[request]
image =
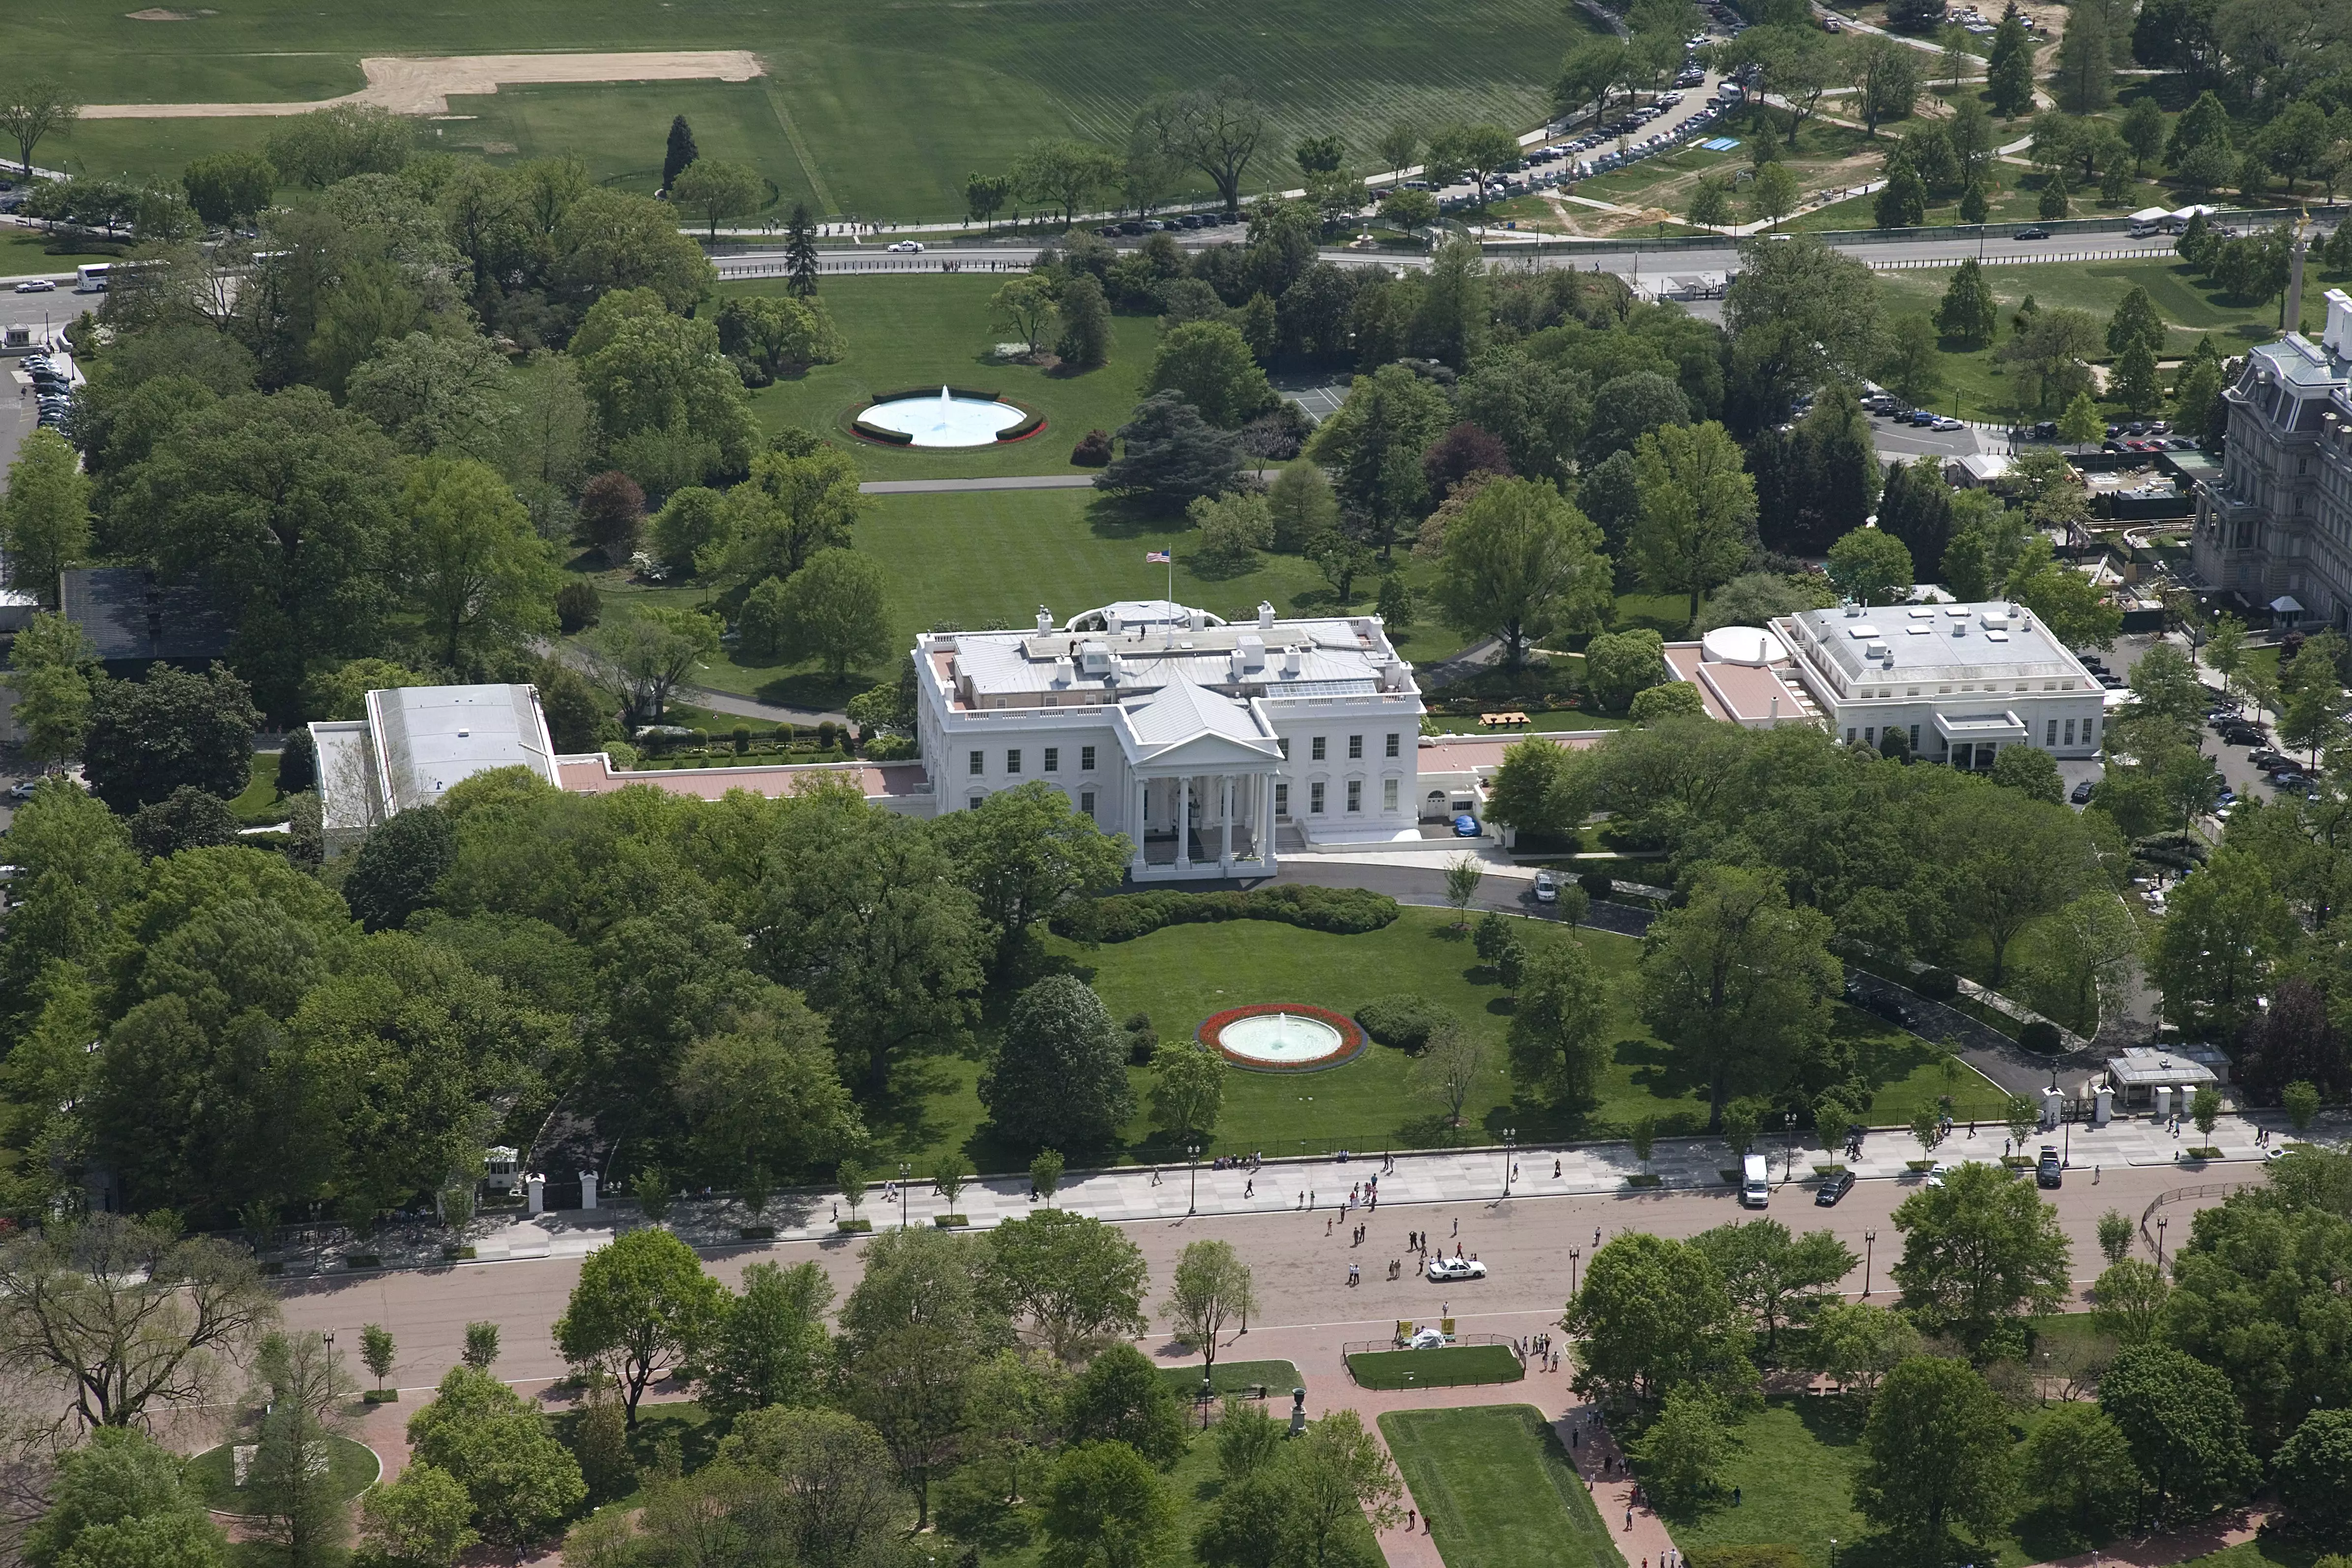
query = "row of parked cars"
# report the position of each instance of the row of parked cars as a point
(1137, 227)
(52, 388)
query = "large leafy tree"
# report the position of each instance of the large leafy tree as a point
(1654, 1315)
(44, 514)
(1375, 442)
(122, 1498)
(1773, 1277)
(1978, 1252)
(1059, 1077)
(148, 738)
(1106, 1507)
(863, 910)
(1800, 314)
(642, 1303)
(1558, 1023)
(1209, 366)
(765, 1100)
(520, 1482)
(1071, 1279)
(1698, 522)
(2186, 1430)
(1209, 1288)
(1935, 1454)
(286, 505)
(1737, 981)
(479, 571)
(1024, 852)
(770, 1345)
(1520, 563)
(2255, 1295)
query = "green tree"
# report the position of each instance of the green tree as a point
(424, 1518)
(1558, 1024)
(2314, 1469)
(1935, 1454)
(1375, 442)
(120, 1498)
(53, 667)
(1025, 853)
(1710, 203)
(2084, 81)
(1086, 323)
(1912, 368)
(44, 514)
(680, 152)
(2077, 1464)
(1860, 1344)
(1188, 1089)
(1521, 564)
(2081, 424)
(1105, 1508)
(1978, 1252)
(1209, 1288)
(1683, 1452)
(1171, 456)
(648, 653)
(1210, 366)
(478, 569)
(520, 1482)
(1871, 566)
(1738, 982)
(328, 145)
(792, 507)
(294, 1502)
(1885, 78)
(1698, 510)
(2127, 1301)
(1901, 200)
(377, 1352)
(2009, 67)
(642, 1302)
(1774, 1277)
(674, 410)
(1067, 1084)
(1121, 1397)
(717, 190)
(148, 737)
(436, 395)
(1303, 507)
(229, 187)
(2135, 380)
(764, 1098)
(1653, 1316)
(1073, 1280)
(836, 608)
(2184, 1426)
(1024, 305)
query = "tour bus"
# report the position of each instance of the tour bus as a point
(1755, 1186)
(90, 277)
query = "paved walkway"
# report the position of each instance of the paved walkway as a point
(1336, 1185)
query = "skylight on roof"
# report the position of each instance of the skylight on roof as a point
(1862, 631)
(1918, 631)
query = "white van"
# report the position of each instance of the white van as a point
(1755, 1184)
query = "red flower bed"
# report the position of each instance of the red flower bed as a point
(1352, 1038)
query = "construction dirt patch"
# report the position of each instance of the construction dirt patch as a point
(411, 85)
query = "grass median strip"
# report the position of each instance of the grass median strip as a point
(1497, 1488)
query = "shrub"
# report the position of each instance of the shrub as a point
(1596, 885)
(826, 733)
(1347, 911)
(2040, 1036)
(1027, 427)
(1405, 1020)
(1093, 450)
(742, 736)
(1937, 984)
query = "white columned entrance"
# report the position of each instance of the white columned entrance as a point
(1226, 809)
(1184, 822)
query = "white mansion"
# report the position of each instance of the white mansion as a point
(1199, 740)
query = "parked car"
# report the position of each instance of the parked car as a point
(2048, 1172)
(1442, 1269)
(23, 789)
(1547, 888)
(2081, 795)
(1837, 1187)
(2031, 234)
(1946, 422)
(1465, 826)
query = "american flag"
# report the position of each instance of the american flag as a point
(1156, 557)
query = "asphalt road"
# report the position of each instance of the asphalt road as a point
(1300, 1273)
(17, 400)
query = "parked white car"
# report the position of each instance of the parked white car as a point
(1446, 1268)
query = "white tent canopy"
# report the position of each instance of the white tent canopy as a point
(2150, 215)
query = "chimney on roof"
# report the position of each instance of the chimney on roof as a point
(1196, 620)
(1065, 671)
(1265, 617)
(1290, 661)
(1250, 648)
(1045, 619)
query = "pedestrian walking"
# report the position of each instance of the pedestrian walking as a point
(1407, 1521)
(1555, 1170)
(1457, 1225)
(1249, 1188)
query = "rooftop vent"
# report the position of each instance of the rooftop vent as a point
(1251, 649)
(1096, 657)
(1861, 633)
(1996, 635)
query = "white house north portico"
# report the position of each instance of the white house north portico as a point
(1203, 741)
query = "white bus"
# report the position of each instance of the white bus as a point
(91, 276)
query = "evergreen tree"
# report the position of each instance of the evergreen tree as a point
(1974, 208)
(2204, 123)
(2084, 81)
(1060, 1077)
(2053, 205)
(1916, 507)
(1170, 455)
(1086, 323)
(1902, 199)
(681, 152)
(2008, 69)
(800, 249)
(2136, 322)
(1967, 313)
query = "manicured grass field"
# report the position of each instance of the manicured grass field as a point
(353, 1467)
(881, 111)
(1236, 1377)
(1497, 1490)
(1448, 1366)
(985, 558)
(1181, 974)
(260, 805)
(927, 330)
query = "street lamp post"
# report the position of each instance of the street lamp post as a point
(1789, 1131)
(1869, 1245)
(1510, 1135)
(906, 1175)
(2160, 1223)
(1574, 1255)
(1193, 1157)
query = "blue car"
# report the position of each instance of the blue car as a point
(1466, 827)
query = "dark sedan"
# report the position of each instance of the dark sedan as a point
(1836, 1187)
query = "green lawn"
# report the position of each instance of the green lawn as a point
(353, 1467)
(1279, 1377)
(978, 558)
(881, 111)
(1447, 1366)
(1497, 1490)
(261, 806)
(1181, 974)
(927, 330)
(23, 250)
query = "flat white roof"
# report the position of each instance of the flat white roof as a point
(431, 738)
(1953, 643)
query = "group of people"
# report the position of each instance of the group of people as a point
(1538, 1348)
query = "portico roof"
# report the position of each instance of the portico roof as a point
(1192, 726)
(1980, 726)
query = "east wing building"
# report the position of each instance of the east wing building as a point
(2274, 527)
(1203, 741)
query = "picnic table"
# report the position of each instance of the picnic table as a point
(1497, 721)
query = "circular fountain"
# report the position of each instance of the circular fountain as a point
(1284, 1036)
(949, 419)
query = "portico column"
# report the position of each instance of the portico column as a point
(1225, 800)
(1184, 822)
(1265, 821)
(1142, 820)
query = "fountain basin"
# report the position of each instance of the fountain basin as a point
(1283, 1036)
(945, 418)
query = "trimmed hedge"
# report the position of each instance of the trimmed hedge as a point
(876, 433)
(1936, 984)
(1029, 426)
(933, 392)
(1405, 1019)
(1123, 917)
